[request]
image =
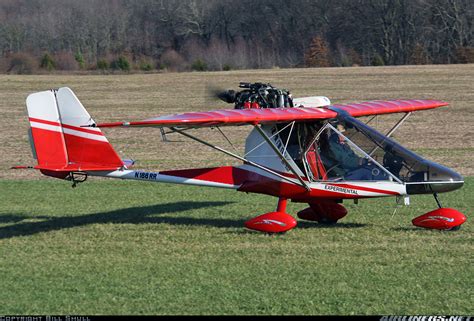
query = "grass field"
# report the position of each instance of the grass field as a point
(114, 247)
(129, 248)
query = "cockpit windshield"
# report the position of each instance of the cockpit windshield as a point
(324, 153)
(401, 163)
(348, 149)
(338, 158)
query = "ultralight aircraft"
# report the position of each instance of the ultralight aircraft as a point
(301, 149)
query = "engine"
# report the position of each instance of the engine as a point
(257, 95)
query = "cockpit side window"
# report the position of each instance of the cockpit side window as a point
(339, 150)
(401, 163)
(348, 149)
(296, 140)
(332, 156)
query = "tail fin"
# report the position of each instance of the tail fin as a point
(60, 142)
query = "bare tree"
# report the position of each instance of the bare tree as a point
(245, 33)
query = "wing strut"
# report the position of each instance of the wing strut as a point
(391, 131)
(228, 140)
(163, 135)
(282, 157)
(290, 124)
(246, 161)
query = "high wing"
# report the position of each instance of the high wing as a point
(232, 117)
(381, 107)
(227, 117)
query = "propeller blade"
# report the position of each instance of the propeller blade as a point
(218, 93)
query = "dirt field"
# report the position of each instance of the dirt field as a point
(442, 135)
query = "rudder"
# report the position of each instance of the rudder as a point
(60, 140)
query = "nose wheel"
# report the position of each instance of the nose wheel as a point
(442, 218)
(273, 222)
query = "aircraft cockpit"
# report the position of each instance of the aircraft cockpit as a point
(402, 164)
(347, 149)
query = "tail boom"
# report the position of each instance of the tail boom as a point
(222, 177)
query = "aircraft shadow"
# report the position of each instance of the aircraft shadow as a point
(11, 218)
(134, 215)
(406, 229)
(304, 225)
(414, 228)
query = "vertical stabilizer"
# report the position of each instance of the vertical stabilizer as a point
(60, 139)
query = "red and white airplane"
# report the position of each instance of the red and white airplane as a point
(310, 152)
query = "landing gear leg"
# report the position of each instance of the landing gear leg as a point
(76, 178)
(281, 207)
(437, 200)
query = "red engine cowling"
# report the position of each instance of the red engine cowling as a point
(440, 219)
(273, 222)
(323, 212)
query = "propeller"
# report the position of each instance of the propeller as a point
(218, 93)
(228, 96)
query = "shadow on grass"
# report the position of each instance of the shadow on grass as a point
(12, 218)
(303, 224)
(407, 229)
(134, 215)
(421, 229)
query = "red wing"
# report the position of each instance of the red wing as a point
(388, 107)
(232, 117)
(227, 117)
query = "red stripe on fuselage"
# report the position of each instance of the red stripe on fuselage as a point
(365, 189)
(225, 175)
(249, 181)
(348, 186)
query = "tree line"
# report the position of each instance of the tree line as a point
(228, 34)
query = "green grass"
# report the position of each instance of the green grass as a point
(115, 247)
